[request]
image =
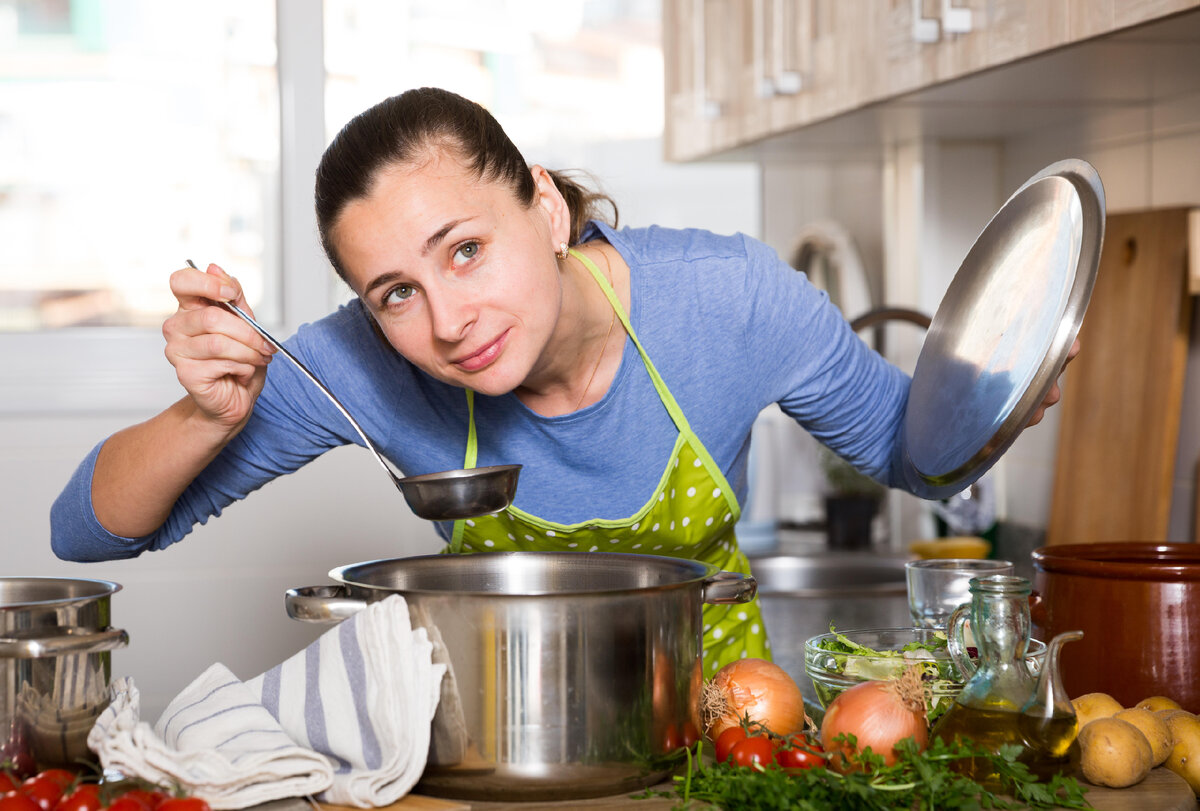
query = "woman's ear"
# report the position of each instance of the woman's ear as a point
(550, 200)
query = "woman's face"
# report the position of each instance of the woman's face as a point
(459, 275)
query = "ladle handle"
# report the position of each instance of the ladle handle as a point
(242, 314)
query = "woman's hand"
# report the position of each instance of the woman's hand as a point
(219, 359)
(1055, 393)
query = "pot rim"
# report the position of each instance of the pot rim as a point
(1122, 561)
(701, 571)
(105, 588)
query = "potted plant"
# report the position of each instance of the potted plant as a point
(851, 503)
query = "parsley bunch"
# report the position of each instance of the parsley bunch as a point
(918, 780)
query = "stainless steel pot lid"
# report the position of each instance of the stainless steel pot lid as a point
(1002, 332)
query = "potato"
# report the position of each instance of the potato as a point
(1114, 753)
(1166, 715)
(1184, 759)
(1154, 728)
(1155, 703)
(1090, 706)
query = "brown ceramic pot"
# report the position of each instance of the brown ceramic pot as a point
(1138, 605)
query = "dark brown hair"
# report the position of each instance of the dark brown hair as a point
(407, 128)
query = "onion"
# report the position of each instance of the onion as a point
(878, 714)
(753, 690)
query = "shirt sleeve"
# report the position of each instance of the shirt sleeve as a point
(291, 425)
(75, 533)
(820, 372)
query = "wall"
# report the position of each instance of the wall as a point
(923, 202)
(218, 595)
(1157, 170)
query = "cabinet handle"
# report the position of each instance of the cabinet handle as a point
(924, 29)
(706, 107)
(787, 80)
(955, 20)
(777, 79)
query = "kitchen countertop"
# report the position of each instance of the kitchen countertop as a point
(1162, 790)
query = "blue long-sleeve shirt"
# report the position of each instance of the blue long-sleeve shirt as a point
(730, 327)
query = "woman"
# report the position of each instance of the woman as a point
(501, 319)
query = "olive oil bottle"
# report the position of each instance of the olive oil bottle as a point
(1047, 744)
(1001, 703)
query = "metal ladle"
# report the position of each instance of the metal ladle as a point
(444, 496)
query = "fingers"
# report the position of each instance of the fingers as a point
(196, 291)
(195, 288)
(211, 334)
(1075, 348)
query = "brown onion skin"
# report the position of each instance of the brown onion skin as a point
(757, 688)
(878, 716)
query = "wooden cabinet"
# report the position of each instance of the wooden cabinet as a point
(738, 71)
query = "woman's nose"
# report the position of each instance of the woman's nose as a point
(451, 314)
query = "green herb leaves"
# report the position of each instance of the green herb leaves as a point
(918, 780)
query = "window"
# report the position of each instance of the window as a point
(136, 134)
(133, 135)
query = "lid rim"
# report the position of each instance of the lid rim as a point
(1090, 194)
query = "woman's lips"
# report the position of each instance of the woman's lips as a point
(483, 357)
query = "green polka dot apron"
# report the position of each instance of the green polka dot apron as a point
(691, 515)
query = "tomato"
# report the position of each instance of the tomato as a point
(16, 801)
(64, 778)
(755, 750)
(184, 804)
(20, 763)
(148, 798)
(46, 788)
(671, 739)
(689, 734)
(8, 782)
(85, 797)
(726, 741)
(124, 803)
(794, 755)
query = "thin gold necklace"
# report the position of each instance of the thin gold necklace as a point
(604, 345)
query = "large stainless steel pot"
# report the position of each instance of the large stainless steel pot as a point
(55, 667)
(570, 673)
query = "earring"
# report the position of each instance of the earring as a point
(563, 253)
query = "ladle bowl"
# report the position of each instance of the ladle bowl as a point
(444, 496)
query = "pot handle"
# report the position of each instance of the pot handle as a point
(321, 604)
(64, 641)
(729, 587)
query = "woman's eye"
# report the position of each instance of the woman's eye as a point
(399, 293)
(466, 251)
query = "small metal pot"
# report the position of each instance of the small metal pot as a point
(570, 674)
(55, 667)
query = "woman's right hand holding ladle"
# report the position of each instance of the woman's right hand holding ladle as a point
(219, 359)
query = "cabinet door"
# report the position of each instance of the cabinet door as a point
(703, 58)
(738, 71)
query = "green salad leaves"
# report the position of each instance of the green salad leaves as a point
(860, 663)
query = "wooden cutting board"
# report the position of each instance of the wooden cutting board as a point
(1119, 424)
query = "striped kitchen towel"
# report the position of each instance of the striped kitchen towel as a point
(347, 718)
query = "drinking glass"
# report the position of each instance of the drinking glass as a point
(938, 586)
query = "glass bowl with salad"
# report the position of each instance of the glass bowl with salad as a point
(838, 660)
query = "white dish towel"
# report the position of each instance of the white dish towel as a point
(348, 717)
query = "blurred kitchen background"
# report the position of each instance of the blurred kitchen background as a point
(867, 141)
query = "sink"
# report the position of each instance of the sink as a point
(800, 596)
